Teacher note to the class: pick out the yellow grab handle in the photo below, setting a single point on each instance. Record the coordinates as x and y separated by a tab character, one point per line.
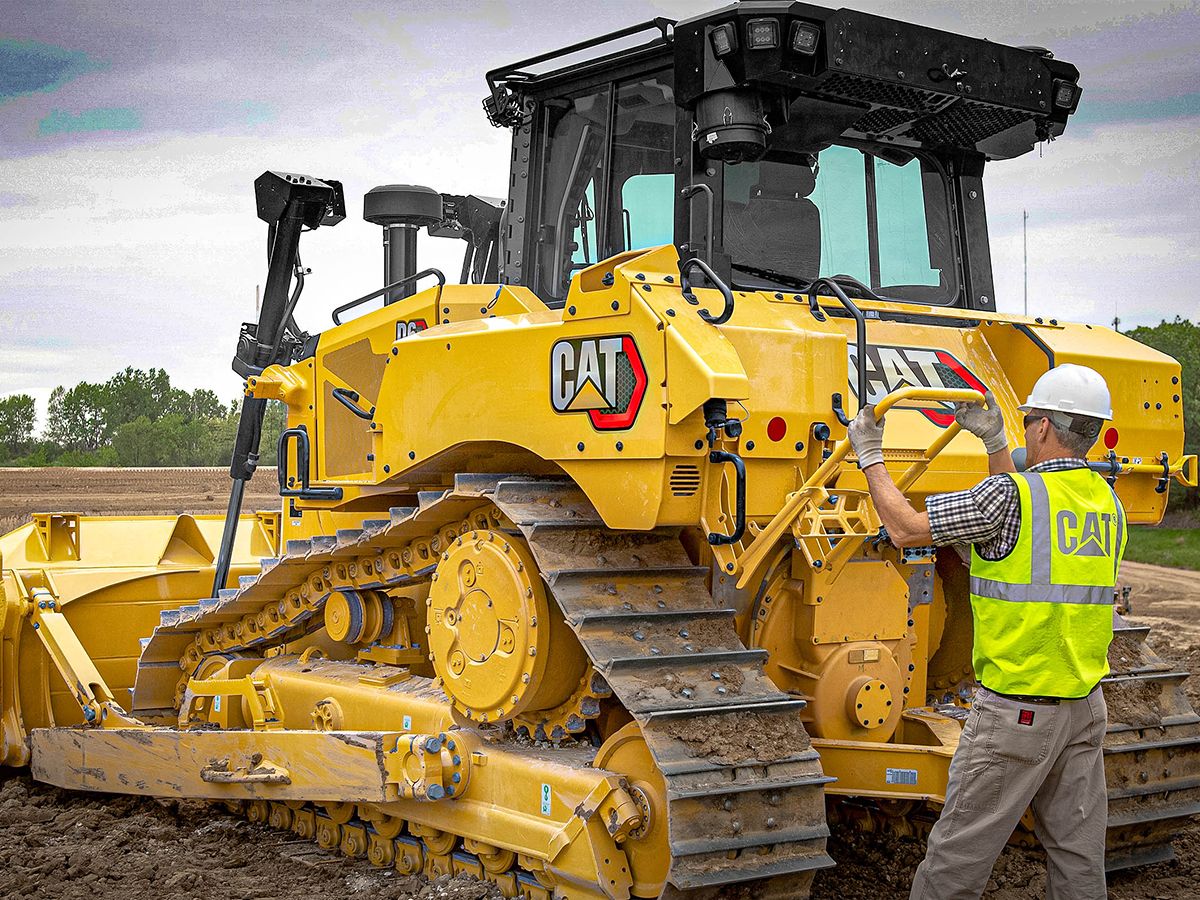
754	555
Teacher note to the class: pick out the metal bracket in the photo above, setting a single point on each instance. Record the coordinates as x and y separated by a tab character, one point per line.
87	685
430	766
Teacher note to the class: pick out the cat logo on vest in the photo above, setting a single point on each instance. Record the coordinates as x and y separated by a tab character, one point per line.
1092	537
601	376
890	368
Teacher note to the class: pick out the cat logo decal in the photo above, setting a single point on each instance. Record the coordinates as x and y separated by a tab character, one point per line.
601	376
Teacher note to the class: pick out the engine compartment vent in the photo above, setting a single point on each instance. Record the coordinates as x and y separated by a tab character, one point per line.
685	480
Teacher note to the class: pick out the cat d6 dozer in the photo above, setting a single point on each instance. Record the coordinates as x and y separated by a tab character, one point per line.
574	584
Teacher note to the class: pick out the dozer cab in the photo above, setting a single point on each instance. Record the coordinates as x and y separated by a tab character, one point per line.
574	584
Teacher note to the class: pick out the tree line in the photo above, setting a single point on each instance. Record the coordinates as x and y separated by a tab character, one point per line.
136	418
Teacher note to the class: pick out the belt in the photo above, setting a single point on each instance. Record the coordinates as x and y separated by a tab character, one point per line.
1050	701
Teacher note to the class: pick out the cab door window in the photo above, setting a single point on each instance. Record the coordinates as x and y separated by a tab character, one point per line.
641	209
574	157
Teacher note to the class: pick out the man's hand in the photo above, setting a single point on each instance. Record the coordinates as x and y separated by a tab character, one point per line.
866	437
986	424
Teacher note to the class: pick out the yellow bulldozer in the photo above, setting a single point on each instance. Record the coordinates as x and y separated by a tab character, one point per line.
574	584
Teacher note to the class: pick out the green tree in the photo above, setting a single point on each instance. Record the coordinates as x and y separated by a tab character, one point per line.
17	414
137	443
77	418
203	404
133	393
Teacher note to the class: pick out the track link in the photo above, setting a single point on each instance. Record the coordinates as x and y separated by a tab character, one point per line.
744	787
1151	752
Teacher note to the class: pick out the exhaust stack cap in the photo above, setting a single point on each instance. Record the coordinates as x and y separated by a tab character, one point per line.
402	204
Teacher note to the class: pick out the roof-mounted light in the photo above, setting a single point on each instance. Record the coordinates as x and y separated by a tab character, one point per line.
723	39
762	34
804	38
1066	94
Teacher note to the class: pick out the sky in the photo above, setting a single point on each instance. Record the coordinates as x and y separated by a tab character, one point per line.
131	134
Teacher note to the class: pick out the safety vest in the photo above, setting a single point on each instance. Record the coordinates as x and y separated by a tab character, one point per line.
1043	613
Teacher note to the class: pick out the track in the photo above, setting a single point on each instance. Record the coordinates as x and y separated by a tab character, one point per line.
743	787
1151	752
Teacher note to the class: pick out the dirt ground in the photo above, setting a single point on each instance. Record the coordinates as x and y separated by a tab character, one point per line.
58	844
134	492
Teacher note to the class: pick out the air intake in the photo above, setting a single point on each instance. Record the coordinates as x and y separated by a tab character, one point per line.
685	480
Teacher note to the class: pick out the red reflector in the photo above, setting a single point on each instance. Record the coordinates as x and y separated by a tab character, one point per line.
776	429
1110	438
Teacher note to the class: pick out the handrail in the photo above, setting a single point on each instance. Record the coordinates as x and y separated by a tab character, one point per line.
749	561
687	194
337	313
860	325
685	288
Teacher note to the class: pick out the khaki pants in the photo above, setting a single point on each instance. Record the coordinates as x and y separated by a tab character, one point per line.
1002	766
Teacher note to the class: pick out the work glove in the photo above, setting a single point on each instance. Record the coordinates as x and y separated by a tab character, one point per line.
866	437
986	424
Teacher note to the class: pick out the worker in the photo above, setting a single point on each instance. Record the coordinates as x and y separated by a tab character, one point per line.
1046	545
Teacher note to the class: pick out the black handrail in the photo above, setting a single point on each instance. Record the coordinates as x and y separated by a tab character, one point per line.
739	516
349	399
688	193
860	329
495	76
337	313
300	435
685	286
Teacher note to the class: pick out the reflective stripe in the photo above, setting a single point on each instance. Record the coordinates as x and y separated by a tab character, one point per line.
991	589
1039	502
1120	532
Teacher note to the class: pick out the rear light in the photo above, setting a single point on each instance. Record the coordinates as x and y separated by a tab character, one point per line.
777	429
1066	94
723	39
804	38
1110	438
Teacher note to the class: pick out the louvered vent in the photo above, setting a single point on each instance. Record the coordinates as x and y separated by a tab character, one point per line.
685	480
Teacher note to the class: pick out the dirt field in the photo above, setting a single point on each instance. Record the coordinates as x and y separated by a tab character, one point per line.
135	492
56	844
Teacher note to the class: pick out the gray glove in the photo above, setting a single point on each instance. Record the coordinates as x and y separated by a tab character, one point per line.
986	424
866	437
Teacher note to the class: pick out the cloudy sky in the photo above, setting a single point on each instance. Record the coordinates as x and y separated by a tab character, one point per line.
131	133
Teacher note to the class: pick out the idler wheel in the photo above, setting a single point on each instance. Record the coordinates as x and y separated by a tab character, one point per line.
358	617
498	643
649	853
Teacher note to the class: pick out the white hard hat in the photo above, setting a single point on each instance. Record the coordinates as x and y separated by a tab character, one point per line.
1071	389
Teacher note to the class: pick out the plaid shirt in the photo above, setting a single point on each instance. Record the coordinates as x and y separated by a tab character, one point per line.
987	515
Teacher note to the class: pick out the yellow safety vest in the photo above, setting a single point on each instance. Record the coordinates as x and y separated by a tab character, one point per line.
1043	613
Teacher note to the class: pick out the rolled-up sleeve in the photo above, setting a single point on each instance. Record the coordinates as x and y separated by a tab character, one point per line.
974	516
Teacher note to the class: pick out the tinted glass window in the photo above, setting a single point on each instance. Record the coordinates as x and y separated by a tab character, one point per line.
646	203
643	183
576	141
846	212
